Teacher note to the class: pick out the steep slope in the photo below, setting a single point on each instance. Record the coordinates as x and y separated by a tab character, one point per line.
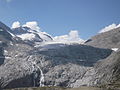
108	71
108	39
31	36
5	34
6	39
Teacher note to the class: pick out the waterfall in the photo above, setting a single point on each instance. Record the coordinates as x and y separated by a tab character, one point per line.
41	81
34	69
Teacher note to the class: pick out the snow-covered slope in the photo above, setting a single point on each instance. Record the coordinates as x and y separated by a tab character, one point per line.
29	34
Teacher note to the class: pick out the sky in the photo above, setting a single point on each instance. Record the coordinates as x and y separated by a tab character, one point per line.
58	17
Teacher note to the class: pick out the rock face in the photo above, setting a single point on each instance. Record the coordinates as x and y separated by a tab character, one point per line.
108	39
108	70
61	66
22	65
5	35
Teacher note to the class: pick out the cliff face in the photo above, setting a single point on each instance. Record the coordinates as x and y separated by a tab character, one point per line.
108	71
55	64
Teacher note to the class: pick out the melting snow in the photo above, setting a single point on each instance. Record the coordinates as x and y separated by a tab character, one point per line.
11	43
115	49
27	36
8	57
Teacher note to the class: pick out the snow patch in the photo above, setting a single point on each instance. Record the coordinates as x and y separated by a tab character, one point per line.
7	57
114	49
110	27
27	36
5	52
45	36
11	43
1	42
11	34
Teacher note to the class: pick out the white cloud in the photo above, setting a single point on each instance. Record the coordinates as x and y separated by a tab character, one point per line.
73	36
33	25
16	24
110	27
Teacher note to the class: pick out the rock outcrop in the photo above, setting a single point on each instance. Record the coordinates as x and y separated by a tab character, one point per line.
108	71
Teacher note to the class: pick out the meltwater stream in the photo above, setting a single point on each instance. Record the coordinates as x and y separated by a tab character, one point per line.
36	68
41	81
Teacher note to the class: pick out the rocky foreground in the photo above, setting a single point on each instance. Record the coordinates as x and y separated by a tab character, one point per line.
22	64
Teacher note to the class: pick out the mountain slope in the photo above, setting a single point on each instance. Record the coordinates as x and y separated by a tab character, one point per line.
58	66
5	33
108	71
108	39
32	36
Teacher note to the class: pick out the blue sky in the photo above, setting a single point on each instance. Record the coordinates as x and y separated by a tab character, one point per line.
58	17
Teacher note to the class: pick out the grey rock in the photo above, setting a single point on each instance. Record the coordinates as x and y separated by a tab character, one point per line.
61	66
108	70
108	39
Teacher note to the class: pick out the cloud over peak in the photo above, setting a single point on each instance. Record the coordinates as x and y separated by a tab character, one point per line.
33	25
16	24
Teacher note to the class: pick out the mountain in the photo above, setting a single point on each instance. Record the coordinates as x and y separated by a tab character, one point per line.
7	36
31	36
56	64
5	33
108	39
